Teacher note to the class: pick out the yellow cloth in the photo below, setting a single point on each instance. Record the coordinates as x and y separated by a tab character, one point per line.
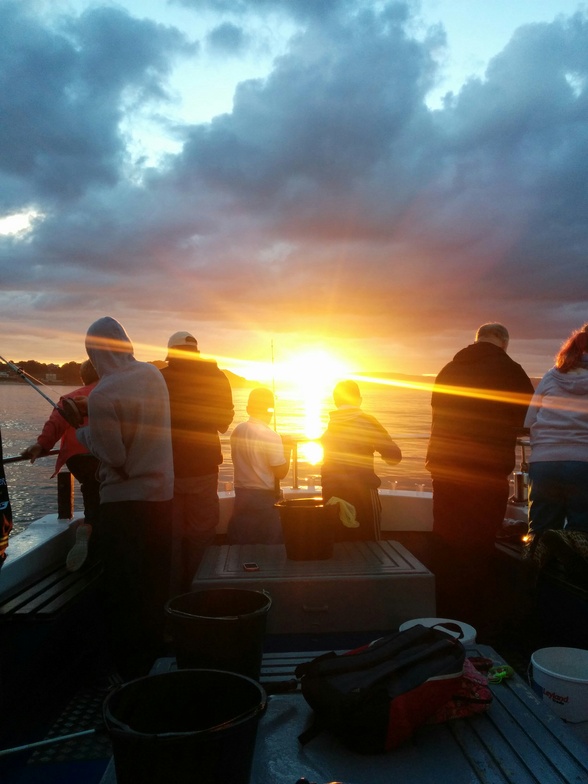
346	512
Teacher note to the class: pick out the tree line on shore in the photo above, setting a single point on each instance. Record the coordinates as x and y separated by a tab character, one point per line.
68	374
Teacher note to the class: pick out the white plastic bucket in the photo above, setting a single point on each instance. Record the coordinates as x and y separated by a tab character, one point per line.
466	635
560	677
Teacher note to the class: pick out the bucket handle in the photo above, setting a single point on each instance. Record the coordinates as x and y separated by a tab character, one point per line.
182	614
120	726
228	618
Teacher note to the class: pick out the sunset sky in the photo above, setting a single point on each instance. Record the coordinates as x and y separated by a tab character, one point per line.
369	180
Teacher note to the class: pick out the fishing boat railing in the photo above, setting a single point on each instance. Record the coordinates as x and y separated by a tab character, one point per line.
296	461
519	478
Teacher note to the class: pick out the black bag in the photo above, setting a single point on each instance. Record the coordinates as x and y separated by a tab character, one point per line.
374	697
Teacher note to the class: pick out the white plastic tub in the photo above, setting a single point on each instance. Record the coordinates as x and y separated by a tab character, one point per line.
560	677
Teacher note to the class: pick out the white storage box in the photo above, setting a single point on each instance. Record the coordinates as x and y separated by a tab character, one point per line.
365	586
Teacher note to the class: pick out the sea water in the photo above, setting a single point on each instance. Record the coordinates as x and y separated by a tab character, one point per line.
405	413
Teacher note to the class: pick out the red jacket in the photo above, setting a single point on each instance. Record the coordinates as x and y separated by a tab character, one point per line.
56	427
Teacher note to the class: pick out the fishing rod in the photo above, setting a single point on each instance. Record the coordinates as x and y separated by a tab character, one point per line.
70	413
274	386
20	458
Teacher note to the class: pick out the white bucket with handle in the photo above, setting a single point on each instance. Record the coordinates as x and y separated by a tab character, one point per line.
560	677
465	633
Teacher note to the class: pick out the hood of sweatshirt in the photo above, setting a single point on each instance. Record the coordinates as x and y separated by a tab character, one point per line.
478	352
574	382
108	346
345	414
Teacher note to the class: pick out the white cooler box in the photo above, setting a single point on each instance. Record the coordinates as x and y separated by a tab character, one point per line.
365	586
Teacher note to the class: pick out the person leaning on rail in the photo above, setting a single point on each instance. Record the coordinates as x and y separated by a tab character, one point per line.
558	469
261	457
349	443
76	458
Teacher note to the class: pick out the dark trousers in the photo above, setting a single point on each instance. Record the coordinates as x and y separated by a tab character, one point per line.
368	509
134	542
468	581
195	519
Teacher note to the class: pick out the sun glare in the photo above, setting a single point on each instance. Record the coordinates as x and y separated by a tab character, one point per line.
311	376
311	452
303	380
19	223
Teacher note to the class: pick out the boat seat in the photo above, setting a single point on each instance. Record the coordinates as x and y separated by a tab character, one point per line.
50	595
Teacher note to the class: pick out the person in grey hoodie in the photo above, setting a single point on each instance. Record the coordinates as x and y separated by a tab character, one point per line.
129	432
558	422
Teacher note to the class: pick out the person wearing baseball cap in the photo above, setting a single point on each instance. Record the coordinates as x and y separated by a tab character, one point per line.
261	457
201	404
179	342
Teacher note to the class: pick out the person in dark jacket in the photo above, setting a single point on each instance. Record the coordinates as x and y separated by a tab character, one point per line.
479	403
349	443
201	403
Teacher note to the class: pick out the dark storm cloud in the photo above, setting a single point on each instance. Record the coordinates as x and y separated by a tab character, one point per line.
340	103
62	94
484	198
330	187
299	9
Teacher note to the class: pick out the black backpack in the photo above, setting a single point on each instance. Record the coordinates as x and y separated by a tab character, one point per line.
374	697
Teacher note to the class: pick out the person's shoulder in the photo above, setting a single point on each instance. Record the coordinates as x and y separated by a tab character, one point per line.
145	372
369	419
147	367
207	369
82	391
514	366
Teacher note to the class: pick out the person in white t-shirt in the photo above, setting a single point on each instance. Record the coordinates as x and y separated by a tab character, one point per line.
261	457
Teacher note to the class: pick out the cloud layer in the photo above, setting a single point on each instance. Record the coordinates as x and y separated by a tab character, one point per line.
330	201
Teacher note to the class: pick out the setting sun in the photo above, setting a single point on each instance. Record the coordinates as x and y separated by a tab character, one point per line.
314	372
310	376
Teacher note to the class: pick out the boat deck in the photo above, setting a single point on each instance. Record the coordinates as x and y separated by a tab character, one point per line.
518	729
518	741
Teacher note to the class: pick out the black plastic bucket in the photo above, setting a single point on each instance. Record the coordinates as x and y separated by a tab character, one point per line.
220	629
308	526
185	727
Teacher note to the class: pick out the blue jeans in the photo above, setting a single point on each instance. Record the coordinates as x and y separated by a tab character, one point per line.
255	520
558	491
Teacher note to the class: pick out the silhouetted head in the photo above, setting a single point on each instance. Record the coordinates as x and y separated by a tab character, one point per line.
108	346
181	343
261	403
346	393
493	333
572	353
88	372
